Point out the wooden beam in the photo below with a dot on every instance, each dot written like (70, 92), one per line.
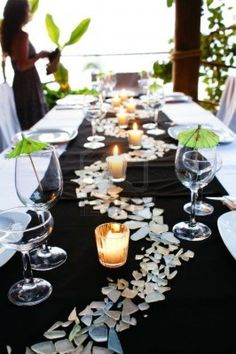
(187, 53)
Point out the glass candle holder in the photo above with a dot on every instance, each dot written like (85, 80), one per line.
(130, 105)
(123, 119)
(112, 241)
(135, 137)
(117, 165)
(116, 101)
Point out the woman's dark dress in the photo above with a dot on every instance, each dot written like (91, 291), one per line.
(29, 98)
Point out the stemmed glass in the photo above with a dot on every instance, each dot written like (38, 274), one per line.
(95, 112)
(109, 83)
(194, 169)
(23, 229)
(39, 183)
(202, 208)
(154, 103)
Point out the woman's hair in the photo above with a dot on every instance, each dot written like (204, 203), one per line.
(14, 16)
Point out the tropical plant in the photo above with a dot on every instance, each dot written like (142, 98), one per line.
(218, 53)
(61, 75)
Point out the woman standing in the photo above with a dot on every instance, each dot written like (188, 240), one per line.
(29, 98)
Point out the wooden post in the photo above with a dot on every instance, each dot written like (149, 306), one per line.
(187, 53)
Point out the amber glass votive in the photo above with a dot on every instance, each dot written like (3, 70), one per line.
(112, 241)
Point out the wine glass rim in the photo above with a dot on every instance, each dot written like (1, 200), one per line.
(26, 208)
(48, 148)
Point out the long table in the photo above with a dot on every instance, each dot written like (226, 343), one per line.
(198, 311)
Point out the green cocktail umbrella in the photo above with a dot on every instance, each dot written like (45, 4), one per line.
(198, 138)
(26, 147)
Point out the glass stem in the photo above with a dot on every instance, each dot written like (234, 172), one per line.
(45, 248)
(200, 194)
(27, 271)
(192, 221)
(156, 114)
(93, 125)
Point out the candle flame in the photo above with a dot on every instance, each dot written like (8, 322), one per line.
(115, 150)
(115, 227)
(135, 126)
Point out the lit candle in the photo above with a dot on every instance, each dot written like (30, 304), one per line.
(116, 101)
(123, 95)
(135, 137)
(112, 241)
(117, 166)
(123, 118)
(131, 105)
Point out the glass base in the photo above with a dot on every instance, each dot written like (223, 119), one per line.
(149, 125)
(199, 232)
(201, 208)
(23, 294)
(96, 138)
(121, 179)
(94, 145)
(134, 147)
(43, 260)
(155, 131)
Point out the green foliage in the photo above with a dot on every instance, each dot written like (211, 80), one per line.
(26, 146)
(52, 29)
(163, 71)
(33, 4)
(198, 138)
(169, 2)
(78, 32)
(62, 75)
(219, 50)
(53, 95)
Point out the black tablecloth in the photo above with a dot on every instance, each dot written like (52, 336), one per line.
(197, 314)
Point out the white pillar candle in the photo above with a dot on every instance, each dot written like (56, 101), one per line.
(131, 105)
(122, 118)
(117, 166)
(135, 137)
(112, 244)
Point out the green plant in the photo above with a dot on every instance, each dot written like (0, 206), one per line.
(218, 52)
(62, 75)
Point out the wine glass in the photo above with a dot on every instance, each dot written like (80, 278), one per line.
(203, 208)
(194, 169)
(23, 229)
(154, 102)
(95, 112)
(109, 83)
(39, 183)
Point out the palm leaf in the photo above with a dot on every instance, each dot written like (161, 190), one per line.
(25, 147)
(33, 4)
(78, 32)
(52, 29)
(198, 138)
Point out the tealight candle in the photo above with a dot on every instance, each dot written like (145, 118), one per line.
(131, 105)
(123, 95)
(112, 241)
(116, 101)
(117, 166)
(135, 137)
(123, 118)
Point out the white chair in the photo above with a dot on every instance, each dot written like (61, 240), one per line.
(227, 107)
(9, 123)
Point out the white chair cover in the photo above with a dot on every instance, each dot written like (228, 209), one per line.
(9, 123)
(227, 108)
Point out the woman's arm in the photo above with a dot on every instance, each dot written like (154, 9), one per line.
(20, 52)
